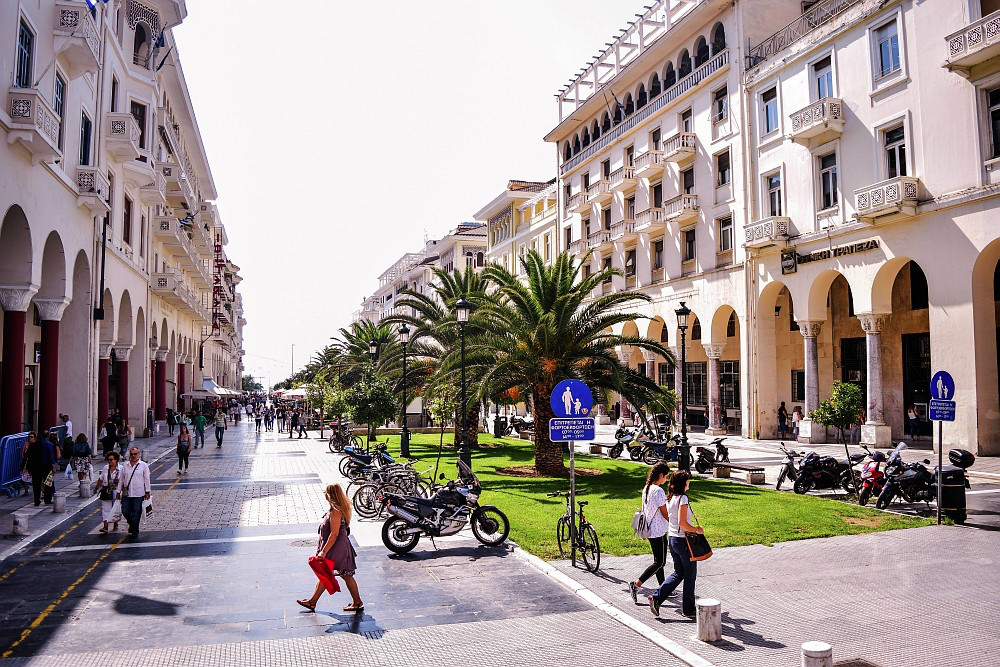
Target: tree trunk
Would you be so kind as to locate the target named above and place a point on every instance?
(471, 427)
(548, 454)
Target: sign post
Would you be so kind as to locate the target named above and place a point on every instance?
(572, 404)
(942, 409)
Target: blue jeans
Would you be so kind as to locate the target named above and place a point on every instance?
(199, 437)
(219, 432)
(132, 511)
(685, 570)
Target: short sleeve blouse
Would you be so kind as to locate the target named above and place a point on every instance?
(654, 499)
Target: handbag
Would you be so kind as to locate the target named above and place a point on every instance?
(50, 479)
(323, 569)
(147, 508)
(698, 545)
(640, 524)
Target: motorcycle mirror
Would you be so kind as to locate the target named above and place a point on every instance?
(443, 476)
(927, 461)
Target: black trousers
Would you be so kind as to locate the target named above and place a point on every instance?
(182, 458)
(37, 477)
(659, 548)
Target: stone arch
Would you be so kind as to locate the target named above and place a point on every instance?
(655, 328)
(75, 363)
(985, 296)
(669, 75)
(881, 292)
(107, 325)
(654, 86)
(125, 322)
(164, 334)
(138, 377)
(720, 325)
(701, 51)
(15, 248)
(718, 38)
(53, 283)
(816, 303)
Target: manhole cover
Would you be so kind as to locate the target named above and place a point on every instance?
(302, 543)
(855, 662)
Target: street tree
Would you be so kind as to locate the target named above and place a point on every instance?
(843, 407)
(370, 400)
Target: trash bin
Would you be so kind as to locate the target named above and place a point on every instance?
(499, 426)
(953, 493)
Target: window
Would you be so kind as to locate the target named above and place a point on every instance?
(697, 382)
(547, 246)
(59, 104)
(769, 111)
(725, 234)
(895, 152)
(85, 136)
(686, 124)
(687, 181)
(587, 270)
(606, 169)
(658, 254)
(823, 78)
(798, 386)
(586, 182)
(886, 50)
(139, 113)
(828, 180)
(731, 326)
(567, 193)
(606, 218)
(729, 378)
(657, 195)
(114, 93)
(630, 262)
(772, 184)
(127, 222)
(629, 156)
(25, 56)
(722, 168)
(568, 233)
(606, 266)
(993, 100)
(720, 105)
(666, 375)
(689, 245)
(630, 208)
(654, 140)
(684, 68)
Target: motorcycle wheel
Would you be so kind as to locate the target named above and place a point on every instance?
(802, 485)
(393, 537)
(864, 496)
(702, 466)
(649, 456)
(563, 535)
(851, 482)
(366, 501)
(635, 453)
(490, 525)
(781, 479)
(590, 548)
(615, 451)
(885, 498)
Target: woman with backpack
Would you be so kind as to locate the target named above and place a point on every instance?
(654, 510)
(685, 569)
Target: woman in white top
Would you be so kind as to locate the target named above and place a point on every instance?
(685, 569)
(106, 484)
(654, 506)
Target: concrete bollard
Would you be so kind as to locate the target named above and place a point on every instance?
(709, 614)
(722, 472)
(755, 477)
(817, 654)
(59, 503)
(20, 525)
(85, 491)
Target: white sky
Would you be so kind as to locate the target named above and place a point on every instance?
(340, 132)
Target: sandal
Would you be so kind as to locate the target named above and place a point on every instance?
(103, 529)
(355, 608)
(305, 603)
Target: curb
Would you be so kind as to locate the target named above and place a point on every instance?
(984, 475)
(669, 645)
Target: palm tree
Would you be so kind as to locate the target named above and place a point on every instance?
(537, 334)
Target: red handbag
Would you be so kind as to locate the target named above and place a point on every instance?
(323, 569)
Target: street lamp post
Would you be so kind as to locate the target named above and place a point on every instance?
(462, 308)
(373, 355)
(404, 434)
(684, 459)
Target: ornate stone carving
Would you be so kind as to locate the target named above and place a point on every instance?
(51, 309)
(713, 351)
(122, 352)
(161, 355)
(873, 322)
(16, 298)
(810, 328)
(624, 356)
(649, 356)
(104, 350)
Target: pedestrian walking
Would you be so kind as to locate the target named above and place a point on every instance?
(133, 488)
(82, 458)
(303, 420)
(110, 438)
(183, 449)
(782, 420)
(685, 569)
(107, 485)
(200, 422)
(221, 424)
(335, 555)
(911, 414)
(170, 421)
(258, 418)
(293, 423)
(281, 419)
(796, 418)
(654, 507)
(40, 462)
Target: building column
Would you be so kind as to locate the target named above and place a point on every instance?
(122, 353)
(103, 363)
(624, 358)
(714, 353)
(810, 432)
(50, 311)
(678, 385)
(181, 380)
(875, 431)
(160, 373)
(15, 302)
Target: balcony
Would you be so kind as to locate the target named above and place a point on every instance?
(123, 136)
(681, 209)
(155, 192)
(768, 232)
(679, 147)
(169, 287)
(179, 191)
(92, 190)
(650, 220)
(820, 117)
(623, 231)
(658, 275)
(81, 49)
(974, 44)
(174, 236)
(579, 247)
(649, 164)
(630, 281)
(599, 240)
(599, 192)
(623, 180)
(33, 124)
(578, 203)
(895, 195)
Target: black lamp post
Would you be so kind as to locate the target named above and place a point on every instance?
(404, 434)
(684, 459)
(462, 308)
(373, 350)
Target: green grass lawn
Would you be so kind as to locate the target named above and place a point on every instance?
(732, 514)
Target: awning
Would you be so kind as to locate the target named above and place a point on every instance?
(297, 394)
(209, 390)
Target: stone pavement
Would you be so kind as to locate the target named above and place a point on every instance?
(213, 578)
(925, 596)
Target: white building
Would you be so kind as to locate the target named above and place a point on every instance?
(521, 218)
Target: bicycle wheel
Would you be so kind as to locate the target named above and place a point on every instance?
(590, 548)
(366, 501)
(383, 492)
(563, 535)
(332, 444)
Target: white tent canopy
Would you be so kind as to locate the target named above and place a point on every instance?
(297, 394)
(209, 390)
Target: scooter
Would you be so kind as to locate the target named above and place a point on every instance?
(654, 452)
(707, 458)
(827, 472)
(788, 468)
(872, 478)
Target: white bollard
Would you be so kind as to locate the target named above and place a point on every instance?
(85, 489)
(817, 654)
(709, 619)
(59, 503)
(20, 525)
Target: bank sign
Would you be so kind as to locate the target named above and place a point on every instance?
(790, 259)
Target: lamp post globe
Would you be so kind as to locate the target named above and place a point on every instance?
(404, 433)
(684, 457)
(373, 350)
(462, 308)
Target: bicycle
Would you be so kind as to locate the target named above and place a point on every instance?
(341, 437)
(582, 538)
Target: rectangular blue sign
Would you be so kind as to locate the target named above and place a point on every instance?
(942, 411)
(571, 429)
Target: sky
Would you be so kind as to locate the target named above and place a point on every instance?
(340, 134)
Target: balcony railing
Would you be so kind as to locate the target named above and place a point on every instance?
(597, 239)
(974, 44)
(622, 230)
(92, 190)
(123, 136)
(817, 118)
(578, 203)
(33, 123)
(814, 17)
(579, 247)
(623, 179)
(718, 61)
(82, 47)
(680, 147)
(599, 192)
(767, 232)
(649, 220)
(895, 195)
(649, 163)
(155, 192)
(681, 208)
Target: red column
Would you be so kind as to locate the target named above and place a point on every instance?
(12, 382)
(121, 387)
(152, 384)
(102, 390)
(181, 384)
(160, 411)
(49, 375)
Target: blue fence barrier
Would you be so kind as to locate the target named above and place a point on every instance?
(10, 462)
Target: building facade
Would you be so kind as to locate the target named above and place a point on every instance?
(521, 218)
(113, 272)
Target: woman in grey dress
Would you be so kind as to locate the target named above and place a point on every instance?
(335, 544)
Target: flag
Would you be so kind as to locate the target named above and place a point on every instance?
(93, 7)
(621, 107)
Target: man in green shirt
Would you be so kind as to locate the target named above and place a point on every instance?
(200, 423)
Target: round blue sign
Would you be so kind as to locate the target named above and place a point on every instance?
(943, 386)
(572, 398)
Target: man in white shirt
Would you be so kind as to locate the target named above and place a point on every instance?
(69, 426)
(133, 488)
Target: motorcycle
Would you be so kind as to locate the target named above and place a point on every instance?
(356, 461)
(653, 452)
(446, 513)
(788, 468)
(872, 478)
(707, 458)
(827, 472)
(520, 425)
(914, 482)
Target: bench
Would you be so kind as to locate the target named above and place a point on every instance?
(755, 474)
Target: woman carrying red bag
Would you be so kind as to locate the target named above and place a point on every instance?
(335, 554)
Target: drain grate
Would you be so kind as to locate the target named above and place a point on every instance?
(373, 634)
(855, 662)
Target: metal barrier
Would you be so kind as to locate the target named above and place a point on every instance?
(10, 462)
(61, 432)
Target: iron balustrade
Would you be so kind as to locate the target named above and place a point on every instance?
(820, 13)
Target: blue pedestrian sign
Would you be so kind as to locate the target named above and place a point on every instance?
(941, 411)
(573, 407)
(943, 386)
